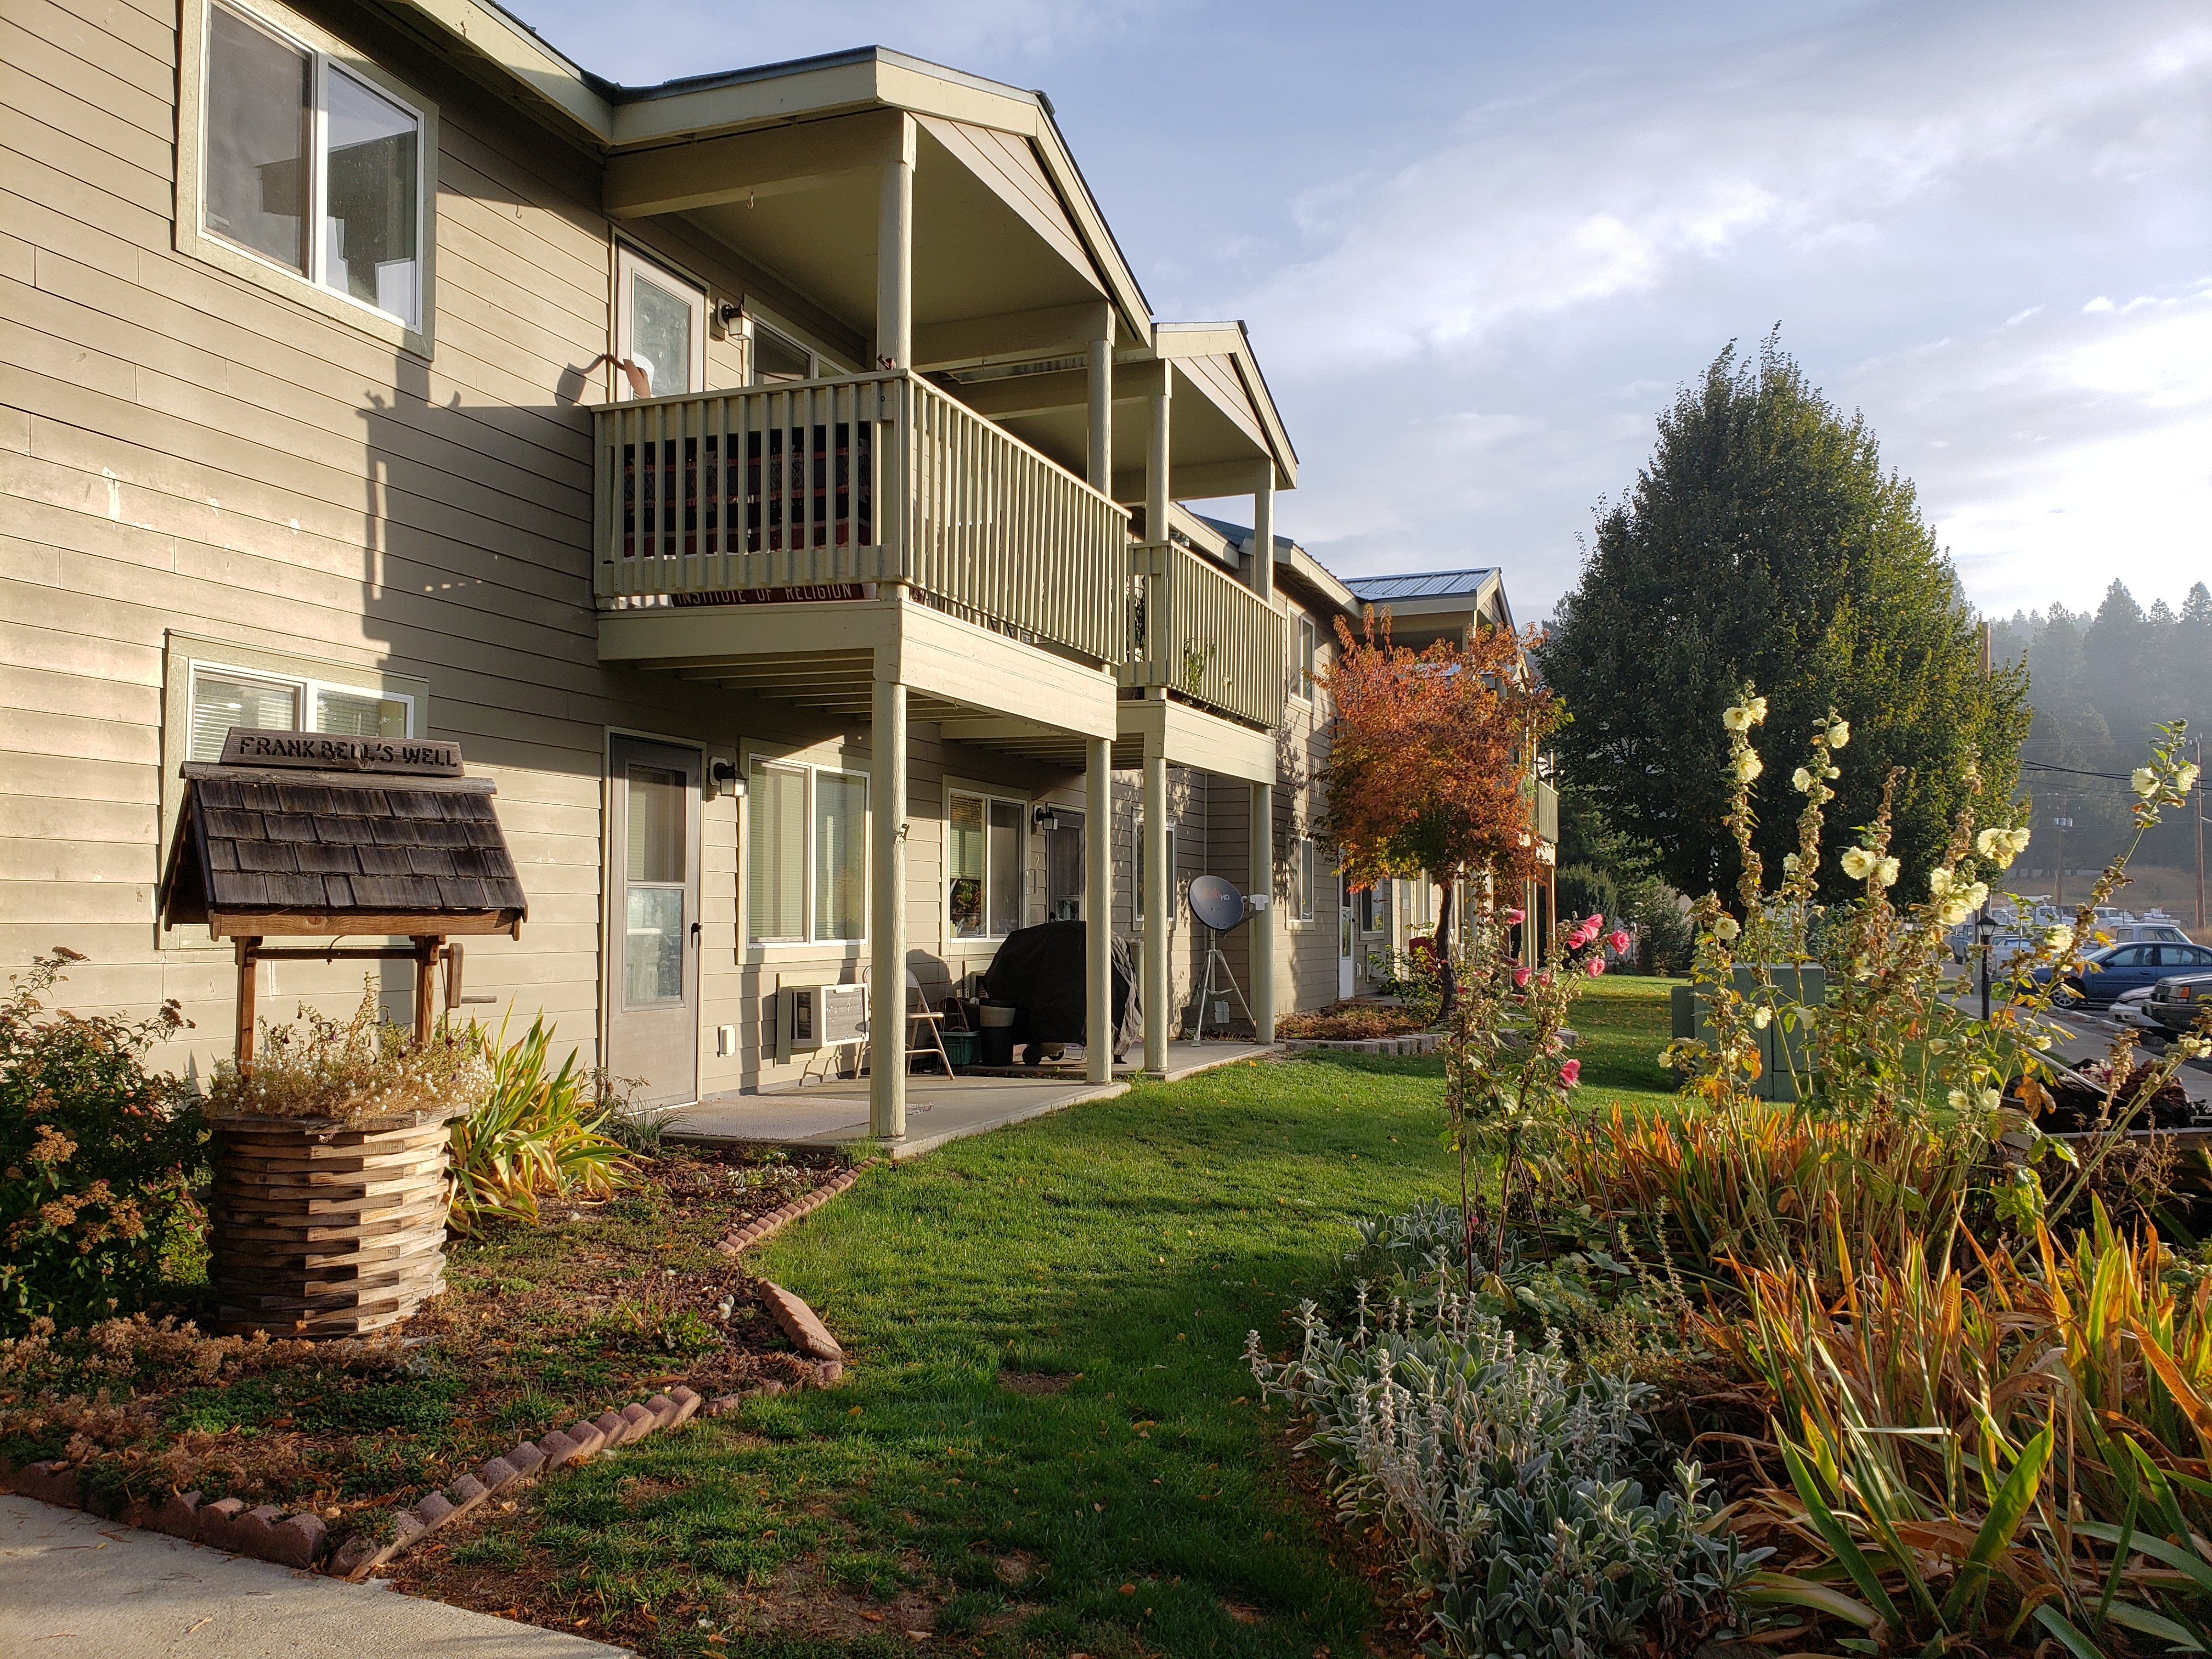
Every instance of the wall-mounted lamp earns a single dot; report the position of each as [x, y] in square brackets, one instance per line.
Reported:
[722, 779]
[1045, 819]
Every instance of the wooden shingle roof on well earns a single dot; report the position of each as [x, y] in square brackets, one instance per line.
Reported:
[254, 844]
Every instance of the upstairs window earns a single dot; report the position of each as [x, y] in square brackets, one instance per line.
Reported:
[307, 164]
[1303, 656]
[778, 359]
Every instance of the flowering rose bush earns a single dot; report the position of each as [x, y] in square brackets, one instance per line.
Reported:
[98, 1156]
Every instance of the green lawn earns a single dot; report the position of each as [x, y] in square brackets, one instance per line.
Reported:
[1148, 1506]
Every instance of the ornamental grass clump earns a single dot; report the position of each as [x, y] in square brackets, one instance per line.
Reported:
[535, 1131]
[351, 1072]
[1513, 1490]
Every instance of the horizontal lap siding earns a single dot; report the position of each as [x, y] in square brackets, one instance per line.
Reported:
[182, 450]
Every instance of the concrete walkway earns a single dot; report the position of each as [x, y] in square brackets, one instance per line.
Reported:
[72, 1584]
[937, 1109]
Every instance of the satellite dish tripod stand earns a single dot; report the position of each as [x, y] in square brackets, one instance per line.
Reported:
[1215, 962]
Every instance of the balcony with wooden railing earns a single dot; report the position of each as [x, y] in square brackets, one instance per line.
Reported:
[814, 489]
[1547, 812]
[1205, 636]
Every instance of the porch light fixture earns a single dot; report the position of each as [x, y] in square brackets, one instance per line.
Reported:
[1046, 819]
[724, 779]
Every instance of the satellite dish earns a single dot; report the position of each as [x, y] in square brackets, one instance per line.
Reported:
[1215, 901]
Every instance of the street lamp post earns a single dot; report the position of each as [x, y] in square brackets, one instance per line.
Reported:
[1984, 932]
[2062, 825]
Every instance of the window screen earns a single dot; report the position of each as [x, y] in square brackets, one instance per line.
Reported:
[776, 804]
[260, 109]
[221, 700]
[359, 715]
[841, 855]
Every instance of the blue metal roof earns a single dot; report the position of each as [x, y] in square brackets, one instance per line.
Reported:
[1421, 585]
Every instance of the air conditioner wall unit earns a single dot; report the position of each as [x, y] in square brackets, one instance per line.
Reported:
[813, 1018]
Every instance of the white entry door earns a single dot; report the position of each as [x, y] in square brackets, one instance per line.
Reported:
[652, 920]
[1347, 936]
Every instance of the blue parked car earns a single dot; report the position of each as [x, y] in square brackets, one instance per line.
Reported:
[2119, 969]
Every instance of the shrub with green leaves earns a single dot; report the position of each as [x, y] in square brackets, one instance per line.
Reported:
[1514, 1492]
[98, 1156]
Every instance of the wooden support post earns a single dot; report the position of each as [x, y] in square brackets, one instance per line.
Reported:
[1262, 574]
[1098, 1032]
[1158, 895]
[895, 257]
[1260, 931]
[1158, 487]
[887, 907]
[1098, 472]
[249, 975]
[425, 964]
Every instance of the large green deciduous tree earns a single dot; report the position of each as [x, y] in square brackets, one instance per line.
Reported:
[1764, 543]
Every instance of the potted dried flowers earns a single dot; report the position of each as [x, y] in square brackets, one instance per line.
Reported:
[330, 1189]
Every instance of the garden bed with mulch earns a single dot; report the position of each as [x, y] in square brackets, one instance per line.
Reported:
[1343, 1022]
[599, 1304]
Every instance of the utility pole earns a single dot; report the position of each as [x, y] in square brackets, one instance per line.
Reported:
[2058, 899]
[2196, 754]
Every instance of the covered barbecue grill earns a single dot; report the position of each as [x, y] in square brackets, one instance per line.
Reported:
[1040, 972]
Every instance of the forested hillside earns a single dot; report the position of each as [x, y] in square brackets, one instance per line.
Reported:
[2099, 682]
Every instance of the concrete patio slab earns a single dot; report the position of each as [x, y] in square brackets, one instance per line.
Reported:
[937, 1109]
[74, 1584]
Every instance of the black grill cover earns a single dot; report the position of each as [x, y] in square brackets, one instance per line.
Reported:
[1041, 971]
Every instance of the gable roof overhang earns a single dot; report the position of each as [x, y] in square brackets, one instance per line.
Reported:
[720, 149]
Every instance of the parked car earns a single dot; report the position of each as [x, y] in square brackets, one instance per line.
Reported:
[2144, 932]
[2176, 1002]
[2132, 1008]
[2106, 974]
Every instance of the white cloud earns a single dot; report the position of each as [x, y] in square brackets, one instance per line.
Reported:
[1885, 185]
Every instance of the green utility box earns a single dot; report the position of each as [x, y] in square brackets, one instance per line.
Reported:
[1781, 1050]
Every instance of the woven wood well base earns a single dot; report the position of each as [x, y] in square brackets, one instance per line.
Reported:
[318, 1229]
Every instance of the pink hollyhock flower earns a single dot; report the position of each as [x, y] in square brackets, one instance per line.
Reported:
[1520, 979]
[1617, 938]
[1579, 938]
[1594, 922]
[1572, 1073]
[1544, 978]
[1596, 966]
[1514, 917]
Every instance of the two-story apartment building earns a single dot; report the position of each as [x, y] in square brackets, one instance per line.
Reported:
[771, 479]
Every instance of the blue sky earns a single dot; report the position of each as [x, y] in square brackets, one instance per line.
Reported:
[1479, 246]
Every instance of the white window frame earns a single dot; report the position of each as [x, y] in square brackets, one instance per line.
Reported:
[1137, 877]
[1305, 655]
[312, 289]
[809, 939]
[308, 687]
[986, 793]
[1306, 873]
[629, 261]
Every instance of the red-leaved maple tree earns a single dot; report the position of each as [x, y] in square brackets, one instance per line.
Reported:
[1428, 767]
